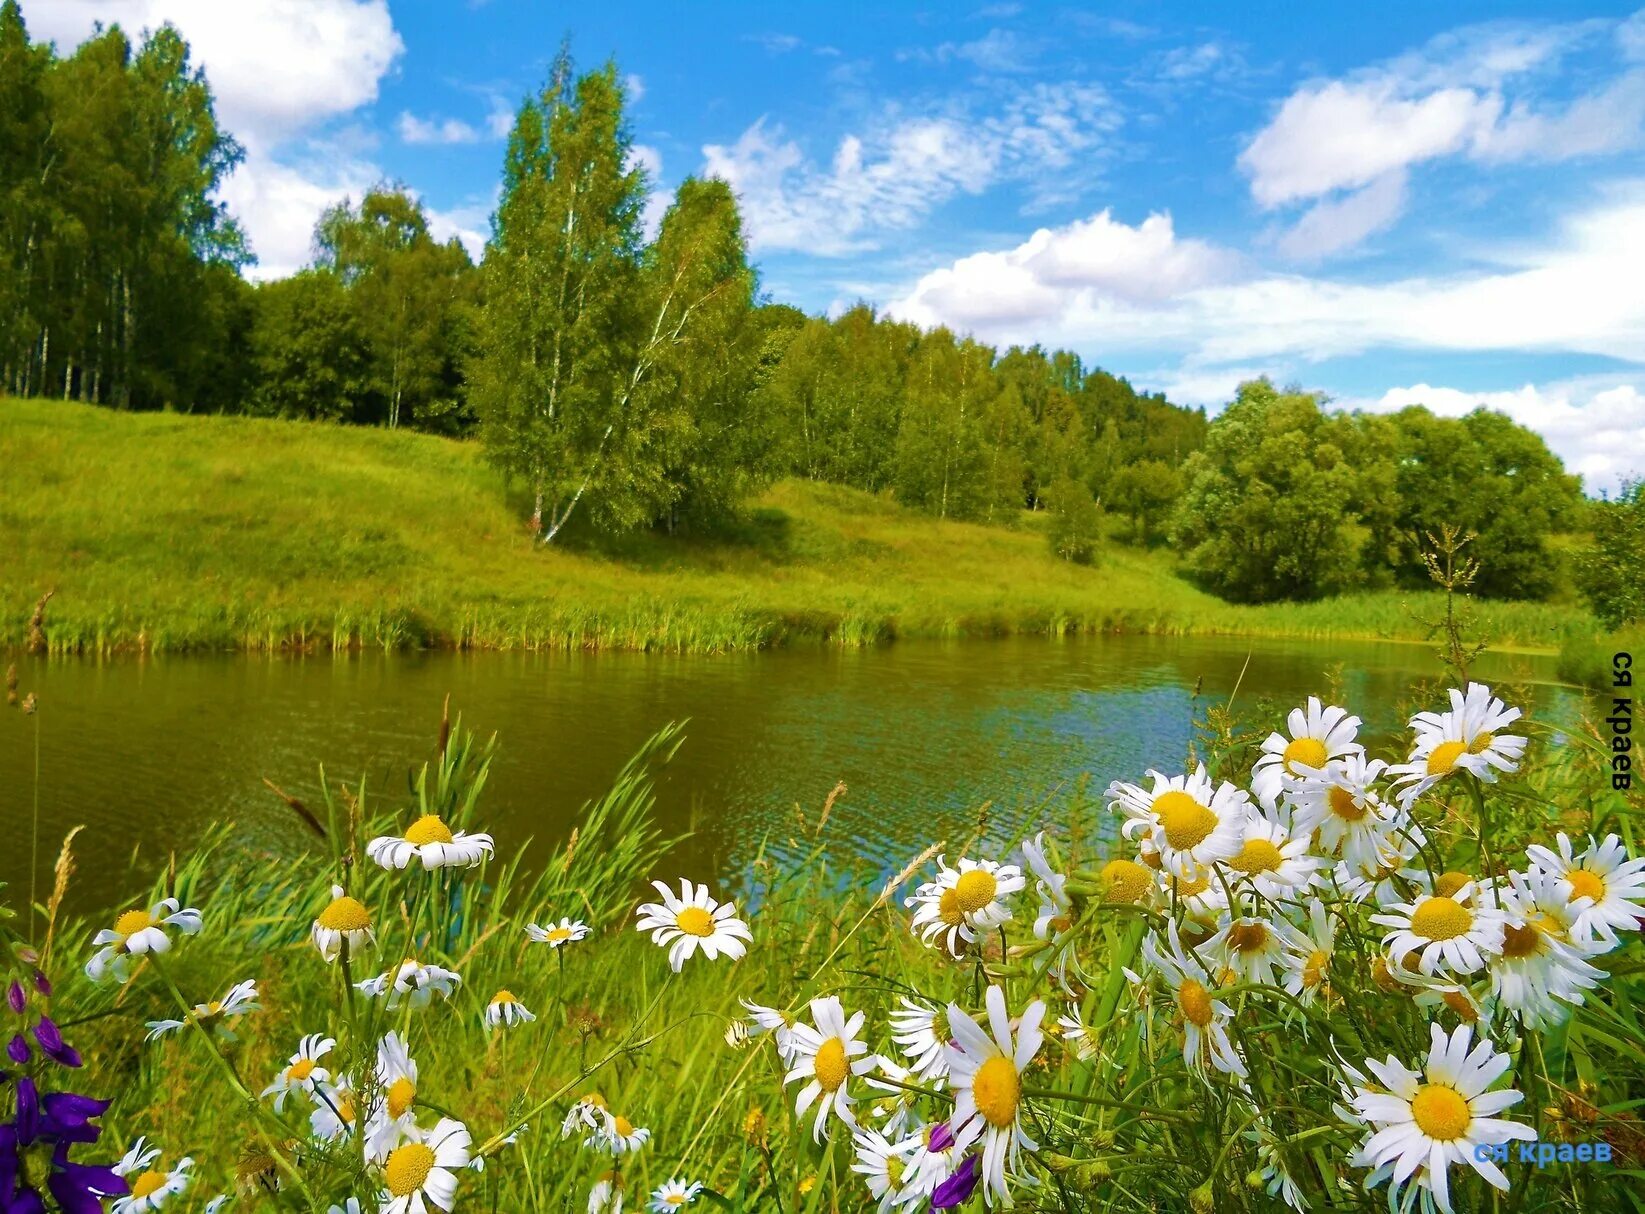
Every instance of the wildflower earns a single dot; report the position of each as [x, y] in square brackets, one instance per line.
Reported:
[1202, 899]
[606, 1197]
[304, 1071]
[412, 981]
[506, 1010]
[566, 931]
[1076, 1035]
[964, 903]
[986, 1074]
[1540, 971]
[587, 1114]
[1613, 883]
[1338, 806]
[214, 1016]
[1467, 738]
[422, 1172]
[1318, 735]
[883, 1165]
[1122, 880]
[777, 1023]
[1387, 859]
[956, 1190]
[673, 1194]
[895, 1105]
[1439, 1116]
[1204, 1019]
[1444, 929]
[1186, 820]
[1273, 1173]
[1273, 857]
[138, 932]
[431, 841]
[46, 1129]
[932, 1157]
[218, 1202]
[738, 1033]
[1308, 963]
[1056, 907]
[343, 920]
[150, 1187]
[1250, 948]
[393, 1113]
[617, 1135]
[826, 1055]
[693, 921]
[334, 1111]
[923, 1035]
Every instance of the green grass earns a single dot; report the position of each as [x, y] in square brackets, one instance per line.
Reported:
[169, 532]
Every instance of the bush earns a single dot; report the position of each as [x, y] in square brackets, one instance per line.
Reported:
[1611, 574]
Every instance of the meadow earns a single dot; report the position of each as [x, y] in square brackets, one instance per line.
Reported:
[166, 532]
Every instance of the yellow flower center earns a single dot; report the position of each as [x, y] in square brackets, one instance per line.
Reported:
[1344, 804]
[623, 1126]
[407, 1168]
[345, 1108]
[1441, 919]
[675, 1199]
[1586, 884]
[949, 910]
[300, 1070]
[1187, 823]
[1519, 942]
[895, 1170]
[1384, 977]
[345, 914]
[1481, 744]
[1443, 759]
[1257, 856]
[1190, 887]
[1195, 1002]
[132, 922]
[559, 934]
[428, 829]
[1247, 937]
[594, 1100]
[1440, 1112]
[147, 1183]
[1460, 1004]
[1304, 752]
[401, 1093]
[1313, 970]
[975, 890]
[504, 997]
[695, 921]
[1447, 884]
[829, 1065]
[997, 1088]
[1125, 881]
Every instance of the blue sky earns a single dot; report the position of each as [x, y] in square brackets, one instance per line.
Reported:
[1391, 202]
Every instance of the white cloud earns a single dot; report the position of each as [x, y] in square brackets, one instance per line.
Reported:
[1339, 223]
[417, 130]
[469, 223]
[279, 204]
[894, 174]
[774, 44]
[634, 86]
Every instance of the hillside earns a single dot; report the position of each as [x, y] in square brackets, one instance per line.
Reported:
[172, 532]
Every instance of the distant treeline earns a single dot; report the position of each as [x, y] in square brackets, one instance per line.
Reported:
[641, 381]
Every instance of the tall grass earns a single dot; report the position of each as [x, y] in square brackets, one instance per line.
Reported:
[167, 533]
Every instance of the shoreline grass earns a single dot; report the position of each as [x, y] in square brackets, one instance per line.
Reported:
[173, 533]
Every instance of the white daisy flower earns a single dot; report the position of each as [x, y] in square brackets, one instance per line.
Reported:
[673, 1195]
[617, 1135]
[1076, 1034]
[303, 1072]
[351, 1206]
[1122, 880]
[606, 1197]
[335, 1111]
[343, 919]
[150, 1187]
[1439, 1116]
[1541, 972]
[738, 1033]
[1200, 898]
[555, 935]
[777, 1023]
[423, 1172]
[922, 1033]
[1340, 806]
[895, 1105]
[1273, 857]
[1391, 858]
[1056, 907]
[1467, 738]
[1308, 963]
[393, 1115]
[589, 1113]
[964, 903]
[1442, 929]
[693, 921]
[504, 1009]
[827, 1053]
[1250, 948]
[1276, 1175]
[883, 1165]
[215, 1015]
[1204, 1018]
[413, 982]
[985, 1072]
[1604, 874]
[430, 841]
[1318, 735]
[1188, 821]
[135, 933]
[932, 1160]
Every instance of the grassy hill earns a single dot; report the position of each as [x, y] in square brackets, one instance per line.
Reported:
[171, 532]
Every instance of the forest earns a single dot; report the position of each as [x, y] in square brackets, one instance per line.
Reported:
[626, 379]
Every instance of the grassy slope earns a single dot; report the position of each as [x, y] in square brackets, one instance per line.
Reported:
[183, 532]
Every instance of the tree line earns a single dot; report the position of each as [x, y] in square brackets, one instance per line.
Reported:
[625, 379]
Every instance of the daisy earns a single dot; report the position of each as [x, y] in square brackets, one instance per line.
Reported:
[1076, 1036]
[923, 1035]
[964, 903]
[138, 932]
[1339, 805]
[1378, 870]
[1276, 1177]
[827, 1053]
[1438, 1117]
[933, 1158]
[617, 1135]
[150, 1187]
[506, 1010]
[430, 840]
[587, 1114]
[1541, 972]
[1442, 929]
[895, 1105]
[412, 981]
[344, 920]
[673, 1195]
[303, 1072]
[777, 1023]
[422, 1172]
[1202, 899]
[1056, 907]
[1308, 963]
[693, 921]
[1122, 880]
[883, 1165]
[1318, 735]
[986, 1074]
[393, 1113]
[1250, 948]
[214, 1016]
[334, 1111]
[1187, 820]
[1273, 857]
[1467, 738]
[738, 1033]
[566, 931]
[1613, 884]
[1204, 1019]
[606, 1197]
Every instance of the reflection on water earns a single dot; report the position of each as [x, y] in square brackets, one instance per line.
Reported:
[922, 734]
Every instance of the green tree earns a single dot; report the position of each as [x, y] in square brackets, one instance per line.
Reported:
[941, 463]
[1611, 574]
[1075, 533]
[1146, 492]
[310, 356]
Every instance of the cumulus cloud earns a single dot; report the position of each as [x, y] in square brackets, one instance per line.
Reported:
[279, 203]
[435, 130]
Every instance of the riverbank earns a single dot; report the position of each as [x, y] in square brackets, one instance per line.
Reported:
[162, 532]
